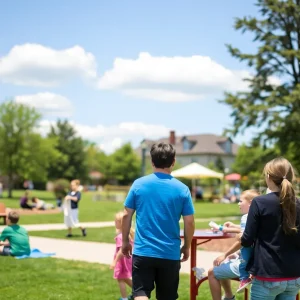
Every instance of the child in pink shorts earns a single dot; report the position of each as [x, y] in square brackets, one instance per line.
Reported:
[121, 265]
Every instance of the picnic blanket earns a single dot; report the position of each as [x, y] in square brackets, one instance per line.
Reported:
[35, 253]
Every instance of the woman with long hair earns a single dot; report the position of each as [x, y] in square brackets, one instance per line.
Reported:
[273, 231]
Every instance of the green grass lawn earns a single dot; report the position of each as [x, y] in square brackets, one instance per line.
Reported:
[91, 211]
[55, 279]
[102, 235]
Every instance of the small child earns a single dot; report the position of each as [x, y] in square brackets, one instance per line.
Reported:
[14, 240]
[244, 205]
[71, 208]
[122, 265]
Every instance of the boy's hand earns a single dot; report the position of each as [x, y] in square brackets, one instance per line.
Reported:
[228, 224]
[232, 256]
[226, 229]
[127, 249]
[219, 260]
[186, 253]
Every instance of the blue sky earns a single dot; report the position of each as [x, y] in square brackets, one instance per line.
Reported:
[124, 70]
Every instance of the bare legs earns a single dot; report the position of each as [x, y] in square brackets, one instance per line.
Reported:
[215, 286]
[122, 285]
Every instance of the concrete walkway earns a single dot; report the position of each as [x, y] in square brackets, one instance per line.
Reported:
[102, 253]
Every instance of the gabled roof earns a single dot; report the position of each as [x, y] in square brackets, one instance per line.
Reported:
[200, 144]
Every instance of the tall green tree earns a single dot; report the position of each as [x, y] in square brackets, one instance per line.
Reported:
[72, 162]
[124, 165]
[250, 161]
[96, 159]
[271, 105]
[23, 152]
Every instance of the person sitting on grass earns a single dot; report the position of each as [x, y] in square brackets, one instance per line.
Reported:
[23, 201]
[14, 240]
[41, 204]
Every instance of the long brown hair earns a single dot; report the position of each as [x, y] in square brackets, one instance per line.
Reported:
[281, 172]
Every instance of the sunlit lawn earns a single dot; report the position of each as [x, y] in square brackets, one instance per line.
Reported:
[96, 211]
[103, 235]
[55, 279]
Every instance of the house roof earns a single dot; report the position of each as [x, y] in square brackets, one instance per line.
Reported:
[201, 144]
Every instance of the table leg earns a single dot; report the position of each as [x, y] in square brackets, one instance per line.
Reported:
[193, 285]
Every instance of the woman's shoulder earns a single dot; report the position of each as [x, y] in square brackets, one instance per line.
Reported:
[266, 199]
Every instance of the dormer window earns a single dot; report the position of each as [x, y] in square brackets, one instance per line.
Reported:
[186, 145]
[226, 146]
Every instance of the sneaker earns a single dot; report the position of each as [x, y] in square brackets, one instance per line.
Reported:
[84, 232]
[69, 235]
[225, 298]
[199, 273]
[243, 285]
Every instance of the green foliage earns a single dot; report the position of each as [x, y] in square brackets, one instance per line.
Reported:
[124, 165]
[23, 152]
[250, 161]
[271, 105]
[219, 165]
[72, 161]
[96, 159]
[61, 188]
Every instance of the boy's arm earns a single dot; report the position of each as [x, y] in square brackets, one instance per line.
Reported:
[74, 198]
[232, 225]
[231, 230]
[236, 246]
[5, 243]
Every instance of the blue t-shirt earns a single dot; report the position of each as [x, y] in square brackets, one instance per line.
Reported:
[159, 200]
[74, 204]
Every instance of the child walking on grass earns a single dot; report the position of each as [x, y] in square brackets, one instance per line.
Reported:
[122, 265]
[71, 208]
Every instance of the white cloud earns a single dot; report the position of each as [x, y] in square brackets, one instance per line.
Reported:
[48, 103]
[37, 65]
[172, 79]
[112, 137]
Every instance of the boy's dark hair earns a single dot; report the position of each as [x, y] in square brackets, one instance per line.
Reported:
[162, 155]
[14, 217]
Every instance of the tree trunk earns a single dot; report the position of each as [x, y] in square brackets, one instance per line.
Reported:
[10, 186]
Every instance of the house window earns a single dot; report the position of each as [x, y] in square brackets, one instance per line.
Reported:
[228, 147]
[186, 145]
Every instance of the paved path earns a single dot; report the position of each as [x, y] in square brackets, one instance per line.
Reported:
[101, 252]
[61, 226]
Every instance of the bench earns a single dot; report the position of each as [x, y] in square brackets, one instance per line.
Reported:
[246, 292]
[3, 213]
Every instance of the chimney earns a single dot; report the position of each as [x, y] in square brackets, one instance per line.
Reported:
[172, 137]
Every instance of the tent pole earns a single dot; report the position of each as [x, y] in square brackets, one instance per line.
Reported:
[194, 189]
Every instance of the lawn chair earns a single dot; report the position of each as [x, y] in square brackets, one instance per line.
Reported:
[3, 213]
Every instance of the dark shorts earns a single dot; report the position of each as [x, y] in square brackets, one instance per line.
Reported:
[148, 272]
[6, 251]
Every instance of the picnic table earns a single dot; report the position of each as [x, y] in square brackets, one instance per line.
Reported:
[204, 236]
